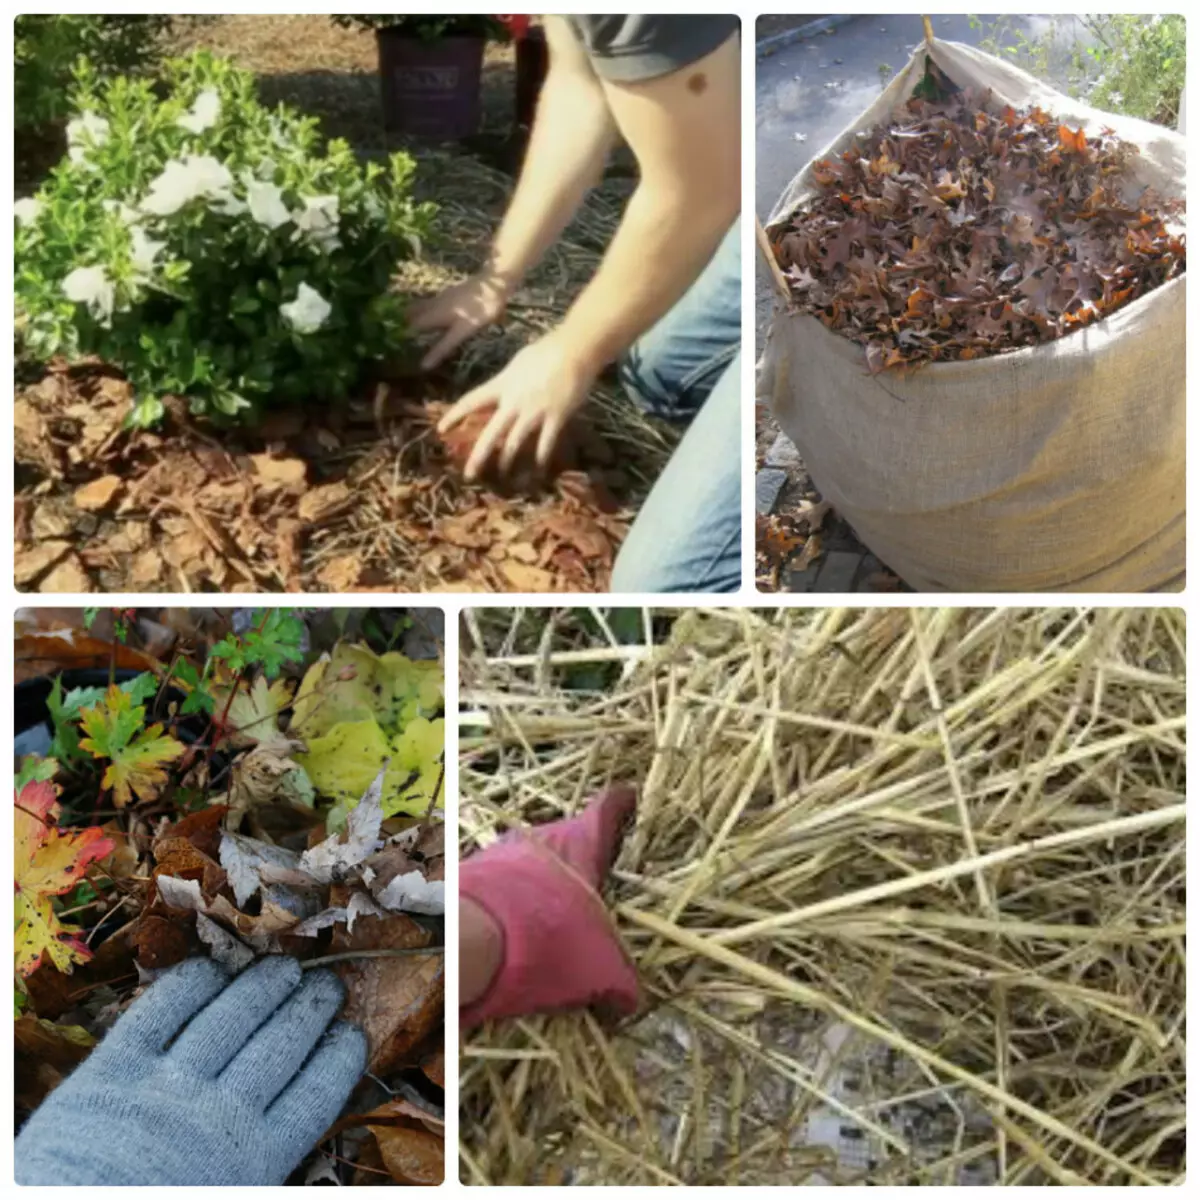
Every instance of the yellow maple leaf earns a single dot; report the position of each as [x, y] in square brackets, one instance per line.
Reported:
[355, 684]
[137, 755]
[419, 749]
[48, 862]
[343, 763]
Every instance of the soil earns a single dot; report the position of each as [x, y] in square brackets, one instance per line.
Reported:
[358, 498]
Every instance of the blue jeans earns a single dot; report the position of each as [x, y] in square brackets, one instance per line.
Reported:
[688, 536]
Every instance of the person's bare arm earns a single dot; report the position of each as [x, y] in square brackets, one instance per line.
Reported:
[572, 136]
[685, 129]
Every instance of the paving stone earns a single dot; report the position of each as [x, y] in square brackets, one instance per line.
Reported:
[806, 580]
[767, 486]
[840, 568]
[783, 454]
[869, 566]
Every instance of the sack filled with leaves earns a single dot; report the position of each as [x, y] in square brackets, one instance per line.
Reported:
[981, 353]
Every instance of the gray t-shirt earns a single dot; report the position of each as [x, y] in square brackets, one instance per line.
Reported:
[630, 49]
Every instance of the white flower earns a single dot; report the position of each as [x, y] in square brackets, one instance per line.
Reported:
[197, 176]
[228, 204]
[266, 168]
[308, 312]
[203, 114]
[266, 203]
[317, 221]
[145, 250]
[85, 132]
[26, 211]
[91, 286]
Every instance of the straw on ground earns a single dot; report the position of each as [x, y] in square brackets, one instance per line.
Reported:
[935, 854]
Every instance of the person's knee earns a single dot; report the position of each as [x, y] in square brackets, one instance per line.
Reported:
[644, 374]
[705, 558]
[671, 369]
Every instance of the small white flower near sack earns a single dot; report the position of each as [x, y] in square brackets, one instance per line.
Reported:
[308, 312]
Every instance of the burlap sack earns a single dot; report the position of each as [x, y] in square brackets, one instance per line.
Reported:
[1056, 468]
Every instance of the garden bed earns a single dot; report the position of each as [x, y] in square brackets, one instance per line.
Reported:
[357, 496]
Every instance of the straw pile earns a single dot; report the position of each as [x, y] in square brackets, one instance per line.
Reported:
[906, 893]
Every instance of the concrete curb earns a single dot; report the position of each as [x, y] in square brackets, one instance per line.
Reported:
[800, 33]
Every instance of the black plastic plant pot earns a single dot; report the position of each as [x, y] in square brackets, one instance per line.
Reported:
[33, 730]
[431, 88]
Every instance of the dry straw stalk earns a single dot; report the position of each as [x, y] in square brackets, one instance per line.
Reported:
[916, 876]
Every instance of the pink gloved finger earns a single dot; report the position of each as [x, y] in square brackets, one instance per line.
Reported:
[588, 843]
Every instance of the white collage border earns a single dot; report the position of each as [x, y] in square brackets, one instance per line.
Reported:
[453, 604]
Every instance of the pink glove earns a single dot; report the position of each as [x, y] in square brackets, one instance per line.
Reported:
[540, 889]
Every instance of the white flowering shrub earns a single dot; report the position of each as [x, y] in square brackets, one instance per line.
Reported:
[212, 248]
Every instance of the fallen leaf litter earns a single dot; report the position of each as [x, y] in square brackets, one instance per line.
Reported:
[957, 232]
[367, 902]
[365, 498]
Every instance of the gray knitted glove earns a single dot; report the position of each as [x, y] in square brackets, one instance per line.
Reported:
[202, 1081]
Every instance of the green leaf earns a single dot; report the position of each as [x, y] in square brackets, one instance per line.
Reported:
[64, 714]
[199, 699]
[65, 711]
[141, 687]
[147, 411]
[35, 770]
[84, 893]
[275, 637]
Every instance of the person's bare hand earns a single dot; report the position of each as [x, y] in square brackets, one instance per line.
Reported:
[458, 313]
[535, 396]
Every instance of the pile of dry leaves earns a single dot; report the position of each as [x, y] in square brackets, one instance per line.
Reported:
[365, 497]
[957, 232]
[791, 538]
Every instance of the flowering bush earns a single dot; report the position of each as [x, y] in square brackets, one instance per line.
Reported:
[209, 247]
[46, 48]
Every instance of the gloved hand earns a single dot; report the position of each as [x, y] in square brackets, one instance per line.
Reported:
[202, 1081]
[540, 889]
